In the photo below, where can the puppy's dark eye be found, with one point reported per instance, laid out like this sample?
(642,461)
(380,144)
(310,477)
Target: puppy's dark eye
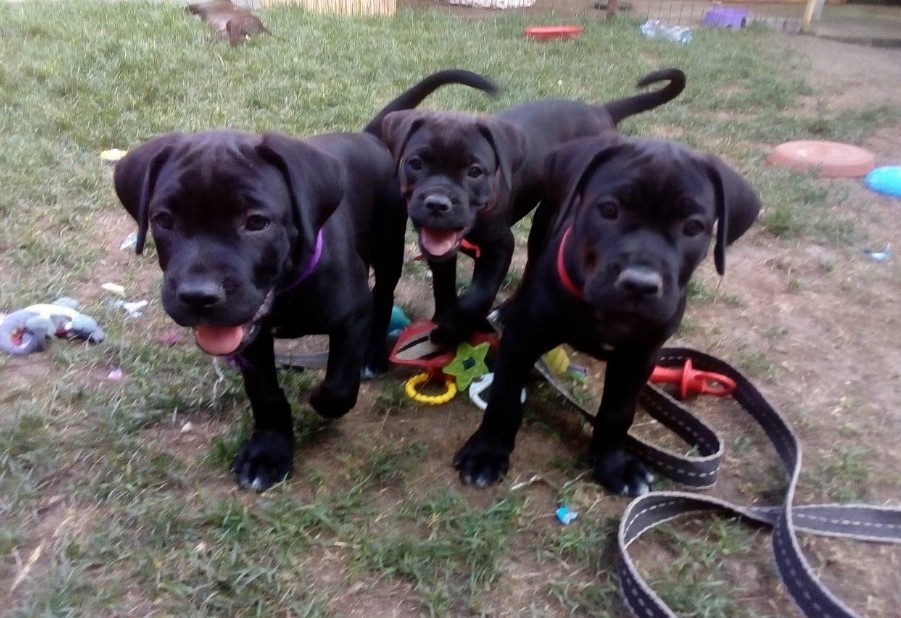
(609,210)
(415,164)
(693,227)
(475,171)
(163,220)
(256,223)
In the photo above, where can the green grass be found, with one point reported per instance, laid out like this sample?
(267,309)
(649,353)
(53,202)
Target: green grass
(698,291)
(132,516)
(844,477)
(447,550)
(754,362)
(693,579)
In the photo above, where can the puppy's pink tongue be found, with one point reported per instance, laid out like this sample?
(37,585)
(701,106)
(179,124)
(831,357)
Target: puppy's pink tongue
(437,242)
(218,340)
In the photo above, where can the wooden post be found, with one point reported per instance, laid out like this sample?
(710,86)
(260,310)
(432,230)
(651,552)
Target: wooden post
(814,7)
(612,6)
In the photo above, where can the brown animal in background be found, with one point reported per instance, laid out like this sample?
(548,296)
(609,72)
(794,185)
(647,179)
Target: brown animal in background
(242,27)
(229,21)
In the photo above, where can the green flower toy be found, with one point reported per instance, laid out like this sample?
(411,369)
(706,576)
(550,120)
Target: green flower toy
(468,364)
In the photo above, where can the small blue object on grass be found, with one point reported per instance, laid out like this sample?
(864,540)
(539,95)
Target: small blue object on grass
(565,516)
(885,180)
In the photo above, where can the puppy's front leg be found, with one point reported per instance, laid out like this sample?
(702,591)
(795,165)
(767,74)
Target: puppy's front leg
(444,286)
(337,393)
(485,457)
(467,315)
(615,468)
(267,457)
(387,265)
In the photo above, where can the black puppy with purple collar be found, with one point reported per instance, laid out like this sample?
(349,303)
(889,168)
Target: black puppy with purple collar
(264,236)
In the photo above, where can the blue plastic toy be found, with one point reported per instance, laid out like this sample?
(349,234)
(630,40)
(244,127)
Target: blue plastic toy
(885,180)
(399,321)
(565,516)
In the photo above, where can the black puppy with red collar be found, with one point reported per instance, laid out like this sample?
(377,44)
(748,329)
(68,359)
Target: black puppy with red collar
(623,225)
(468,178)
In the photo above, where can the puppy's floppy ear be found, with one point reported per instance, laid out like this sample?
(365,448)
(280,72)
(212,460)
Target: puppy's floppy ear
(315,181)
(737,207)
(135,178)
(509,144)
(566,166)
(398,127)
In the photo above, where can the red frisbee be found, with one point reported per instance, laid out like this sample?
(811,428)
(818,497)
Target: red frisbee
(831,159)
(414,347)
(545,33)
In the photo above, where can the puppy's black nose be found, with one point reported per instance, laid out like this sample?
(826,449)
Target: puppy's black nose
(437,203)
(200,294)
(640,282)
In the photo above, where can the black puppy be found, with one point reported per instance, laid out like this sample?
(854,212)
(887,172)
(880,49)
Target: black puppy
(622,227)
(264,235)
(471,177)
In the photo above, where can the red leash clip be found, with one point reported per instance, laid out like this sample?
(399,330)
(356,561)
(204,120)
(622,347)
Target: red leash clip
(693,382)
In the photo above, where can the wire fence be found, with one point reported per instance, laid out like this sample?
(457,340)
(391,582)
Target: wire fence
(785,17)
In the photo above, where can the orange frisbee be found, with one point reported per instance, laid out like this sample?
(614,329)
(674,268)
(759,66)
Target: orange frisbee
(831,159)
(545,33)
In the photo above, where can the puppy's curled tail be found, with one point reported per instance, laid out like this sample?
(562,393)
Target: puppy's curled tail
(414,95)
(629,106)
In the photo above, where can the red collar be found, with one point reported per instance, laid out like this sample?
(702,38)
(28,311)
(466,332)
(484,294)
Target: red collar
(565,279)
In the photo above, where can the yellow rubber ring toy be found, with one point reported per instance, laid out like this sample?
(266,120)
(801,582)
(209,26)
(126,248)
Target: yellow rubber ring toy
(411,385)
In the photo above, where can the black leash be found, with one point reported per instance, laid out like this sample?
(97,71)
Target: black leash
(862,522)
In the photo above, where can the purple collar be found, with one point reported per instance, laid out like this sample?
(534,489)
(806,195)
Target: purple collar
(311,266)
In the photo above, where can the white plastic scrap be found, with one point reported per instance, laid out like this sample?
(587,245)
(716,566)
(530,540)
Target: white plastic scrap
(656,29)
(130,242)
(880,256)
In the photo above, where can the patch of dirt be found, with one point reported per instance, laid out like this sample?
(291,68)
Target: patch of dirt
(58,523)
(848,75)
(383,598)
